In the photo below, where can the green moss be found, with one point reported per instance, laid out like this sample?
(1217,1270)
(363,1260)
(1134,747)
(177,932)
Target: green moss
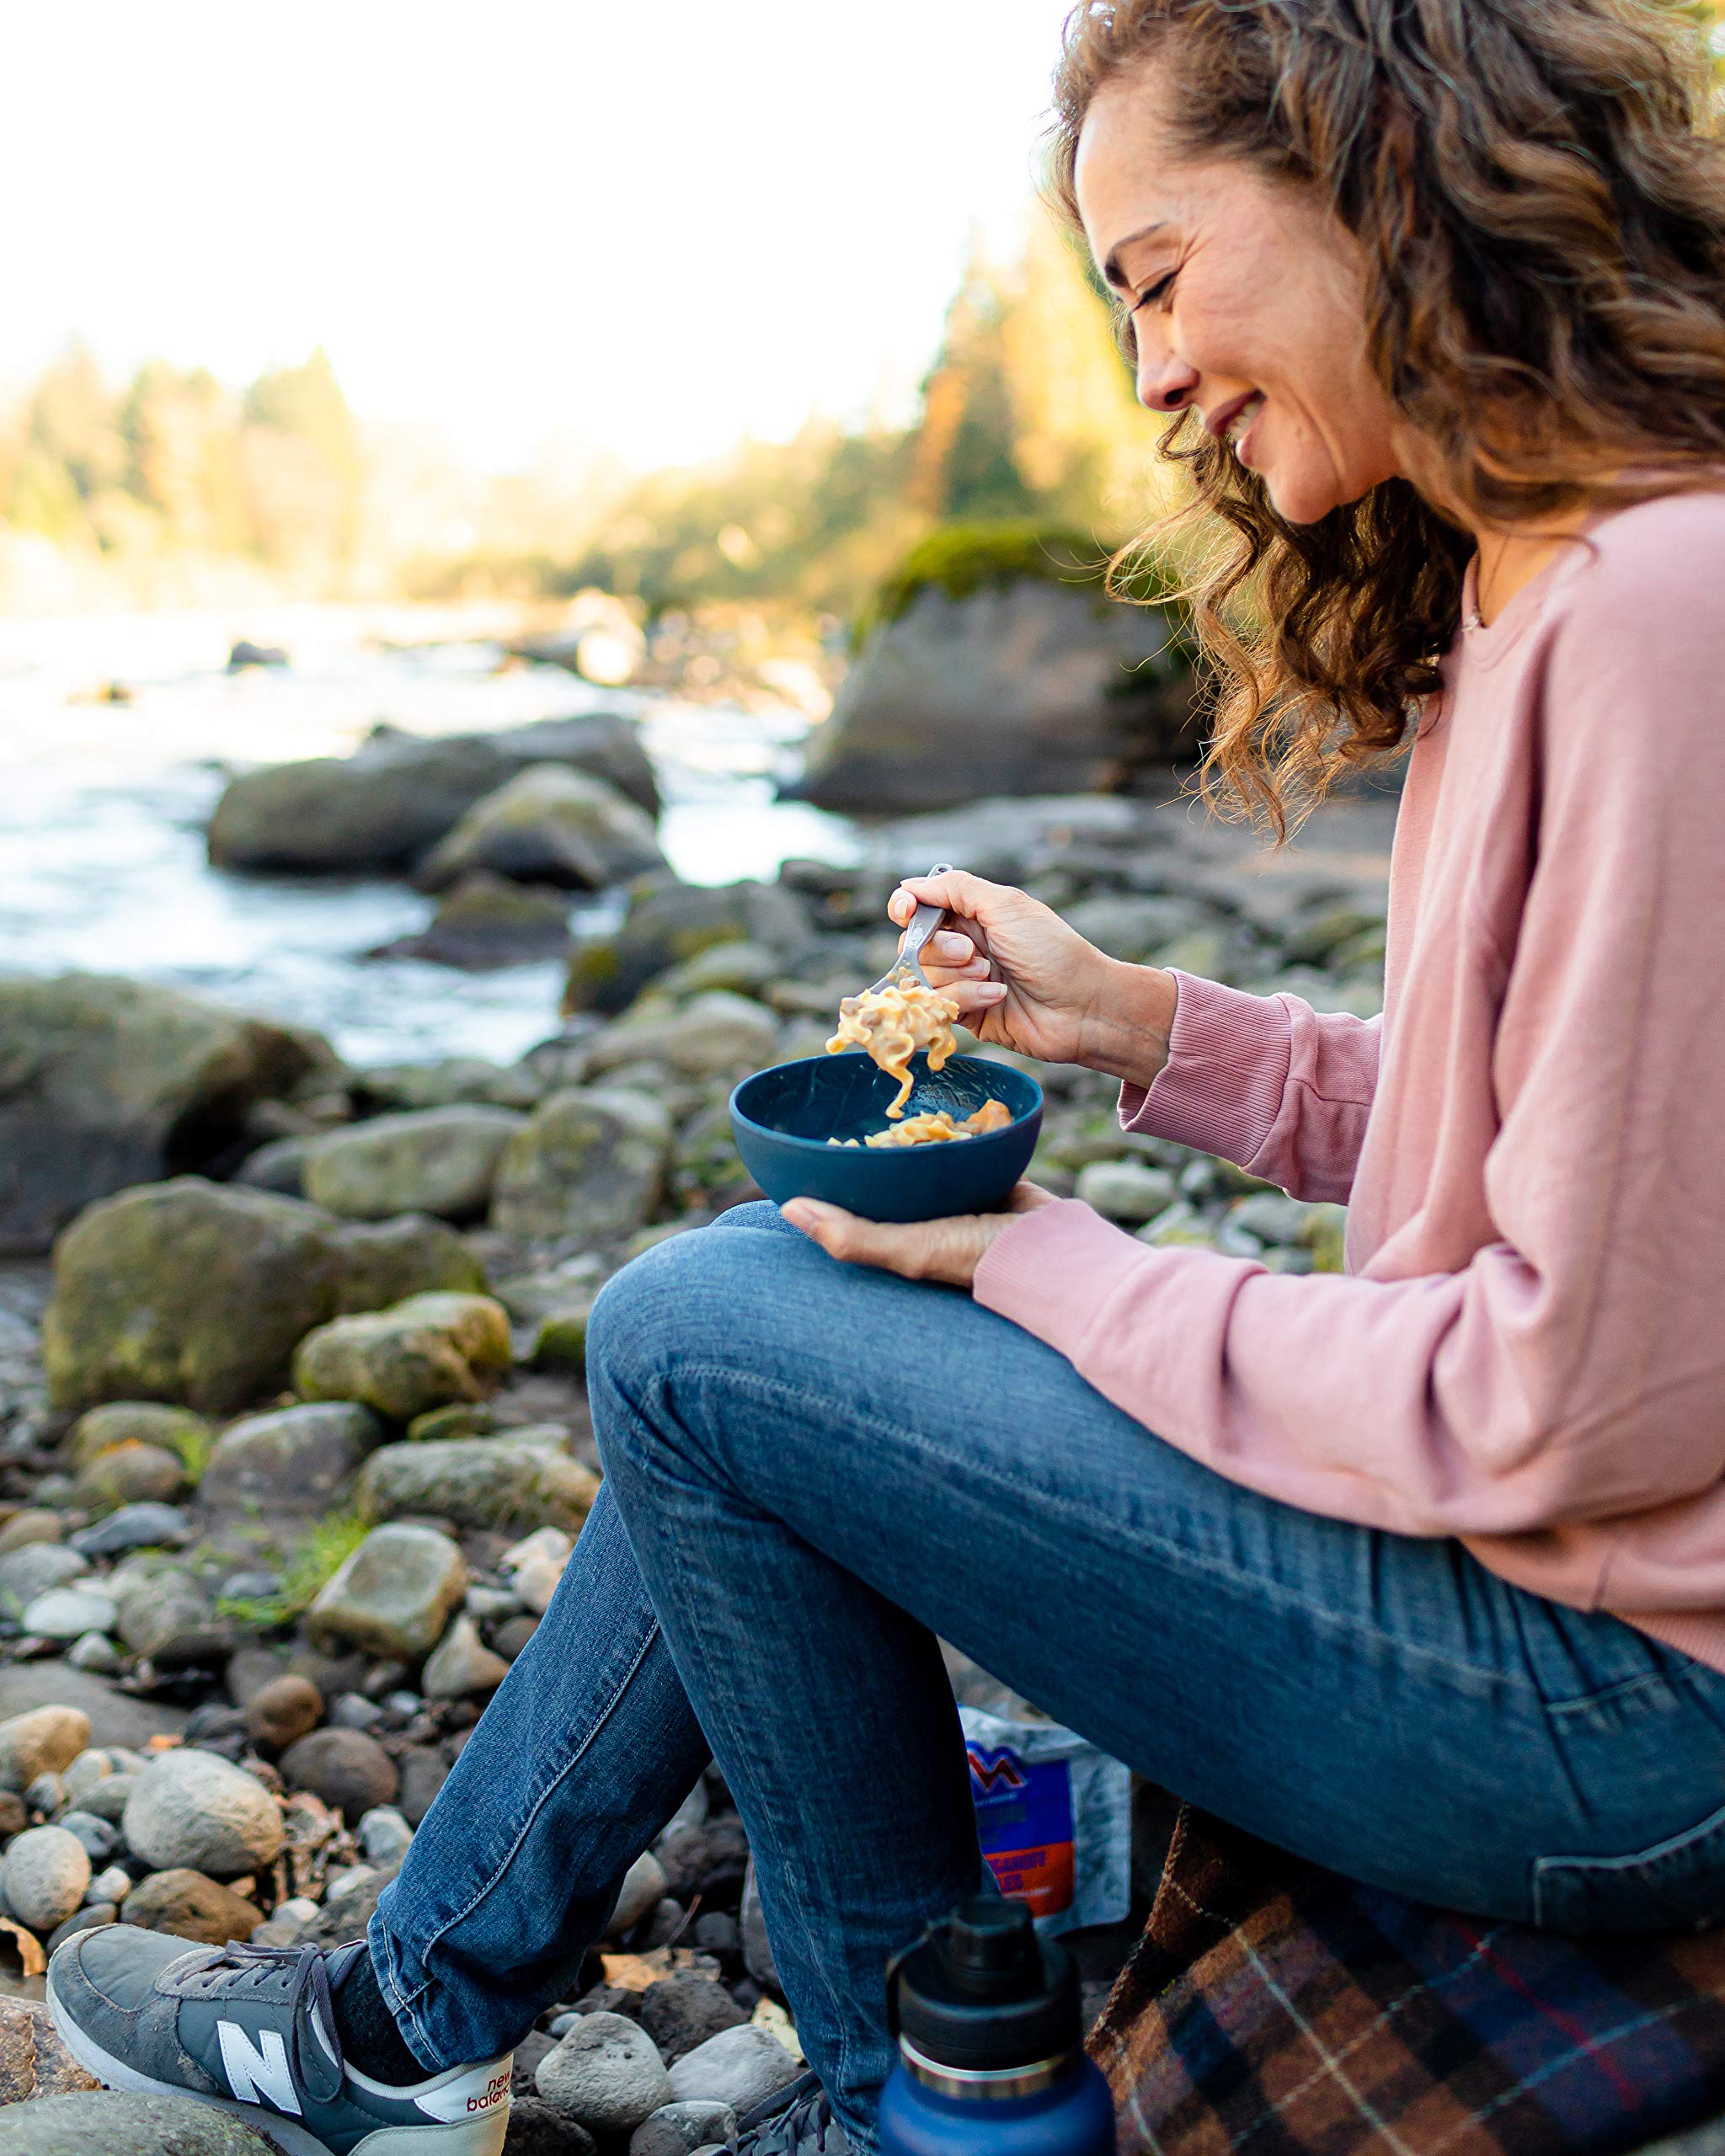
(962,560)
(316,1559)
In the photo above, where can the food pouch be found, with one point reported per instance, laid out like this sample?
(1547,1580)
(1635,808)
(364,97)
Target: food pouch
(1054,1816)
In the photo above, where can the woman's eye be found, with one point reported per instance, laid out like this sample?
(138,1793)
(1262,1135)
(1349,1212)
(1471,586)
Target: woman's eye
(1152,293)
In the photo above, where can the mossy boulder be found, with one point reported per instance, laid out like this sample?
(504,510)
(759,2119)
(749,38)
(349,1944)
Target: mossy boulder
(423,1353)
(998,650)
(478,1482)
(590,1162)
(717,1035)
(384,1262)
(187,1291)
(668,922)
(549,824)
(386,805)
(292,1460)
(436,1160)
(106,1082)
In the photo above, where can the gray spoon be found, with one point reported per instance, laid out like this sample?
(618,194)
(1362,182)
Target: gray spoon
(920,926)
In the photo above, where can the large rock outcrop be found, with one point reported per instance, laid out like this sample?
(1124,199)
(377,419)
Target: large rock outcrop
(105,1083)
(386,805)
(200,1292)
(1020,687)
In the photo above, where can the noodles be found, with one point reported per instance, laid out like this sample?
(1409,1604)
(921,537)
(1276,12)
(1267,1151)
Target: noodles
(937,1126)
(891,1023)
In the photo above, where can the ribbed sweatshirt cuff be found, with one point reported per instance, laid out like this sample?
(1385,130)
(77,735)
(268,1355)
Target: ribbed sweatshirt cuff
(1222,1087)
(1049,1270)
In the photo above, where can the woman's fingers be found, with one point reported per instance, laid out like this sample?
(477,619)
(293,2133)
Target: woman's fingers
(974,995)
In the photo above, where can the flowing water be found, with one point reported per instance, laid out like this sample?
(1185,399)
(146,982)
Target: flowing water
(103,806)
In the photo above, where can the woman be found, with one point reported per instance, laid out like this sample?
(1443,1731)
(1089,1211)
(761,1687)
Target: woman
(1418,1572)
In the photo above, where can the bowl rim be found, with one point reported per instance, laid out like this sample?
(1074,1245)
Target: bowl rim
(825,1146)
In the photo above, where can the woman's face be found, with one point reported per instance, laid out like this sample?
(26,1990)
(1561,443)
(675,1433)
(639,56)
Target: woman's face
(1245,304)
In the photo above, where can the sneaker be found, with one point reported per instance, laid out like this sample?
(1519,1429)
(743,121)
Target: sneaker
(794,2121)
(250,2029)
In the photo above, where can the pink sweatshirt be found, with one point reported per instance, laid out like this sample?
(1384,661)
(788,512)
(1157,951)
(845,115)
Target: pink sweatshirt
(1528,1349)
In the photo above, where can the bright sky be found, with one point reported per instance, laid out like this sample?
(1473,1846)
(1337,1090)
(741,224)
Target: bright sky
(657,223)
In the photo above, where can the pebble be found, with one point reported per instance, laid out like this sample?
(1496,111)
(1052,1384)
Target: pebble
(45,1876)
(287,1708)
(739,2066)
(67,1613)
(112,1885)
(710,1860)
(606,2074)
(393,1596)
(151,1526)
(354,1710)
(1127,1191)
(14,1814)
(130,1473)
(46,1793)
(461,1665)
(346,1768)
(489,1602)
(189,1809)
(346,1881)
(34,1523)
(169,1618)
(29,1571)
(642,1891)
(191,1905)
(752,1926)
(42,1741)
(423,1772)
(96,1653)
(715,1932)
(383,1834)
(679,2129)
(512,1636)
(108,1799)
(684,2010)
(99,1837)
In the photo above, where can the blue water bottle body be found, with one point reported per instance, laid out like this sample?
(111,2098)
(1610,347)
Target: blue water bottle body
(1075,2118)
(991,2059)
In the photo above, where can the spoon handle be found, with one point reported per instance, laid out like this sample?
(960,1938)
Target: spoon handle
(922,925)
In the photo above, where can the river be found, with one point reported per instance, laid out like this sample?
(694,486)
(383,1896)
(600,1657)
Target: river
(104,804)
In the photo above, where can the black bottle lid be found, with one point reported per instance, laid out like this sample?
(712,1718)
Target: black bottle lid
(981,1991)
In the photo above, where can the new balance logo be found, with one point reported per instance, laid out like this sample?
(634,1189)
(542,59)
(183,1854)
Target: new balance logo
(257,2075)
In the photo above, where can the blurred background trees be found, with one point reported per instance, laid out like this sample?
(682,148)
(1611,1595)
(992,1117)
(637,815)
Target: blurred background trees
(1026,415)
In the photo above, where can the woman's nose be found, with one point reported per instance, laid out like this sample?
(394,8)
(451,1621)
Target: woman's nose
(1166,383)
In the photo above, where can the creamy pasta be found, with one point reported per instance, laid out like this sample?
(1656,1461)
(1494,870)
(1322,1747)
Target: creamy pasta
(937,1126)
(891,1023)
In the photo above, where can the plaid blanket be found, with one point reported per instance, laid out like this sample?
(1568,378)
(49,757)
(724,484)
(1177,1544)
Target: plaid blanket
(1277,2010)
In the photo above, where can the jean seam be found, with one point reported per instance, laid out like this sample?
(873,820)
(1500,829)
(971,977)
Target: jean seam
(1273,1590)
(400,2003)
(537,1806)
(798,1901)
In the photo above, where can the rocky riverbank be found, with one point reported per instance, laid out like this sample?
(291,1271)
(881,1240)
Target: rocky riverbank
(293,1439)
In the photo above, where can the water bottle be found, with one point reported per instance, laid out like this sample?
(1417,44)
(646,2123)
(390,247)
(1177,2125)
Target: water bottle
(990,2043)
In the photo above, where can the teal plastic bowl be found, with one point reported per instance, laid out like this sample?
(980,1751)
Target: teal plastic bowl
(784,1119)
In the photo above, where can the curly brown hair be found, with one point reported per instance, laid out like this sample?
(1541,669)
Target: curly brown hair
(1540,205)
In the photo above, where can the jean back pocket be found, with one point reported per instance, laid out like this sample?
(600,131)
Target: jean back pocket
(1678,1884)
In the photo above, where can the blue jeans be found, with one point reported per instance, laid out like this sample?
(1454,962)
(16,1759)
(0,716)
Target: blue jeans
(813,1471)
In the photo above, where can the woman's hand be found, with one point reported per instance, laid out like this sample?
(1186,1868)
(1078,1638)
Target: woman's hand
(1023,979)
(945,1251)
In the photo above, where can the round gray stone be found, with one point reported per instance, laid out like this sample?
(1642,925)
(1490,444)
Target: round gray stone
(643,1888)
(190,1808)
(679,2129)
(607,2074)
(45,1876)
(67,1613)
(738,2067)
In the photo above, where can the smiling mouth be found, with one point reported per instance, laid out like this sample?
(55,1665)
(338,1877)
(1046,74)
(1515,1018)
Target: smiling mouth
(1231,424)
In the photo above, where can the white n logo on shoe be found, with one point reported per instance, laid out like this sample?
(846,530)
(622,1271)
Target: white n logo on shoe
(255,2076)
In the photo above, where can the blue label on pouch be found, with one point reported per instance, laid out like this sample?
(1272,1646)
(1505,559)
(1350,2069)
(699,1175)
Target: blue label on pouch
(1024,1819)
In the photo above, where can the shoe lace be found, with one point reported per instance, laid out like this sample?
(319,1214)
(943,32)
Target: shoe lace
(805,2127)
(244,1967)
